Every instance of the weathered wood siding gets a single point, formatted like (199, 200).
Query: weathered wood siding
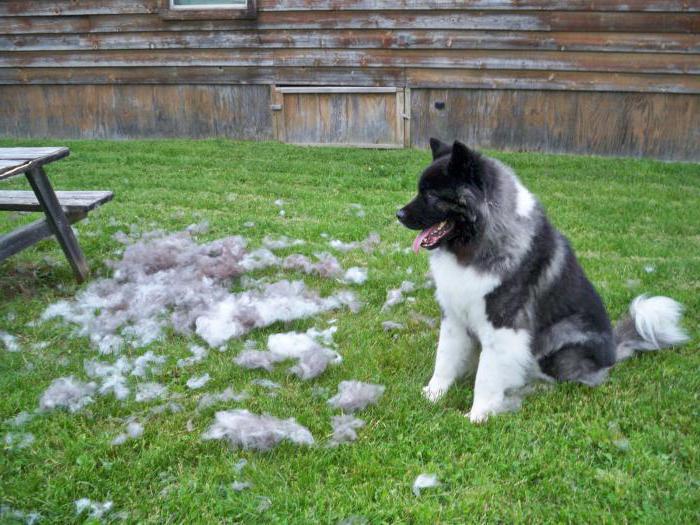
(636, 58)
(641, 124)
(135, 111)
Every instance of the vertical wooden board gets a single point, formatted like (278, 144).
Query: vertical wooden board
(317, 113)
(290, 110)
(303, 120)
(277, 100)
(317, 118)
(682, 138)
(324, 127)
(615, 124)
(406, 118)
(426, 121)
(373, 119)
(339, 118)
(398, 130)
(599, 126)
(293, 112)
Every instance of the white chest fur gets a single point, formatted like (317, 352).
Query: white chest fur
(505, 362)
(461, 291)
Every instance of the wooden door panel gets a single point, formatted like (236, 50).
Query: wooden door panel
(367, 117)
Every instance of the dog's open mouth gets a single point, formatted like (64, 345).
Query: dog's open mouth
(431, 237)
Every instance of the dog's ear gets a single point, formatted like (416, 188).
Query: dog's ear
(439, 148)
(466, 164)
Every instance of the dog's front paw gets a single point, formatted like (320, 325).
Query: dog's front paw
(483, 410)
(433, 392)
(478, 416)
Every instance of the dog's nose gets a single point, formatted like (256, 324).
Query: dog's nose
(401, 214)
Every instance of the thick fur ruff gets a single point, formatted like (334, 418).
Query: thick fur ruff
(516, 304)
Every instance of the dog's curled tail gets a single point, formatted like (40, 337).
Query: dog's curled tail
(652, 323)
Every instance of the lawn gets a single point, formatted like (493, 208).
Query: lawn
(628, 451)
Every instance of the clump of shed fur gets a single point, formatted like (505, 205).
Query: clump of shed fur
(246, 430)
(312, 358)
(344, 428)
(68, 393)
(353, 396)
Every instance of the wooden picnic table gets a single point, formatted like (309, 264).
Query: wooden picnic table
(61, 209)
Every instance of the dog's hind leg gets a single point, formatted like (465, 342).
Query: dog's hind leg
(506, 365)
(579, 363)
(456, 356)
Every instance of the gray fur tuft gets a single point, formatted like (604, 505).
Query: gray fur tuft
(652, 323)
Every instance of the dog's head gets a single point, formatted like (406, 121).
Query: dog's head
(449, 206)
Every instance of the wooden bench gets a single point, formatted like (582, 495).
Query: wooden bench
(61, 208)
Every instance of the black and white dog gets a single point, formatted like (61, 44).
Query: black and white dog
(508, 282)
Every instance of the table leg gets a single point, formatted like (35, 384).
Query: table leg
(58, 221)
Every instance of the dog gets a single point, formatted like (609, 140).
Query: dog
(516, 305)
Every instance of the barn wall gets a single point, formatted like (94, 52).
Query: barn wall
(638, 55)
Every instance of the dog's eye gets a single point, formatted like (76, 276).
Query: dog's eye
(431, 197)
(444, 199)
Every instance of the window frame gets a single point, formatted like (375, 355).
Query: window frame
(169, 11)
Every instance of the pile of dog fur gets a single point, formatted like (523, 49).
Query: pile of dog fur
(172, 273)
(169, 281)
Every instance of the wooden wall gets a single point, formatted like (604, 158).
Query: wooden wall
(616, 124)
(136, 111)
(638, 54)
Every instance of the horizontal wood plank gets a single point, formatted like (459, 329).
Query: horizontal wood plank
(23, 154)
(336, 90)
(20, 160)
(555, 80)
(446, 58)
(76, 7)
(537, 5)
(205, 75)
(71, 201)
(96, 7)
(359, 39)
(577, 21)
(401, 77)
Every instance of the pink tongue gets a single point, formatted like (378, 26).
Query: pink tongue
(419, 238)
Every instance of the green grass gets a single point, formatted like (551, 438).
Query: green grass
(554, 461)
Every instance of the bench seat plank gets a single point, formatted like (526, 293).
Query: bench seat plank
(70, 201)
